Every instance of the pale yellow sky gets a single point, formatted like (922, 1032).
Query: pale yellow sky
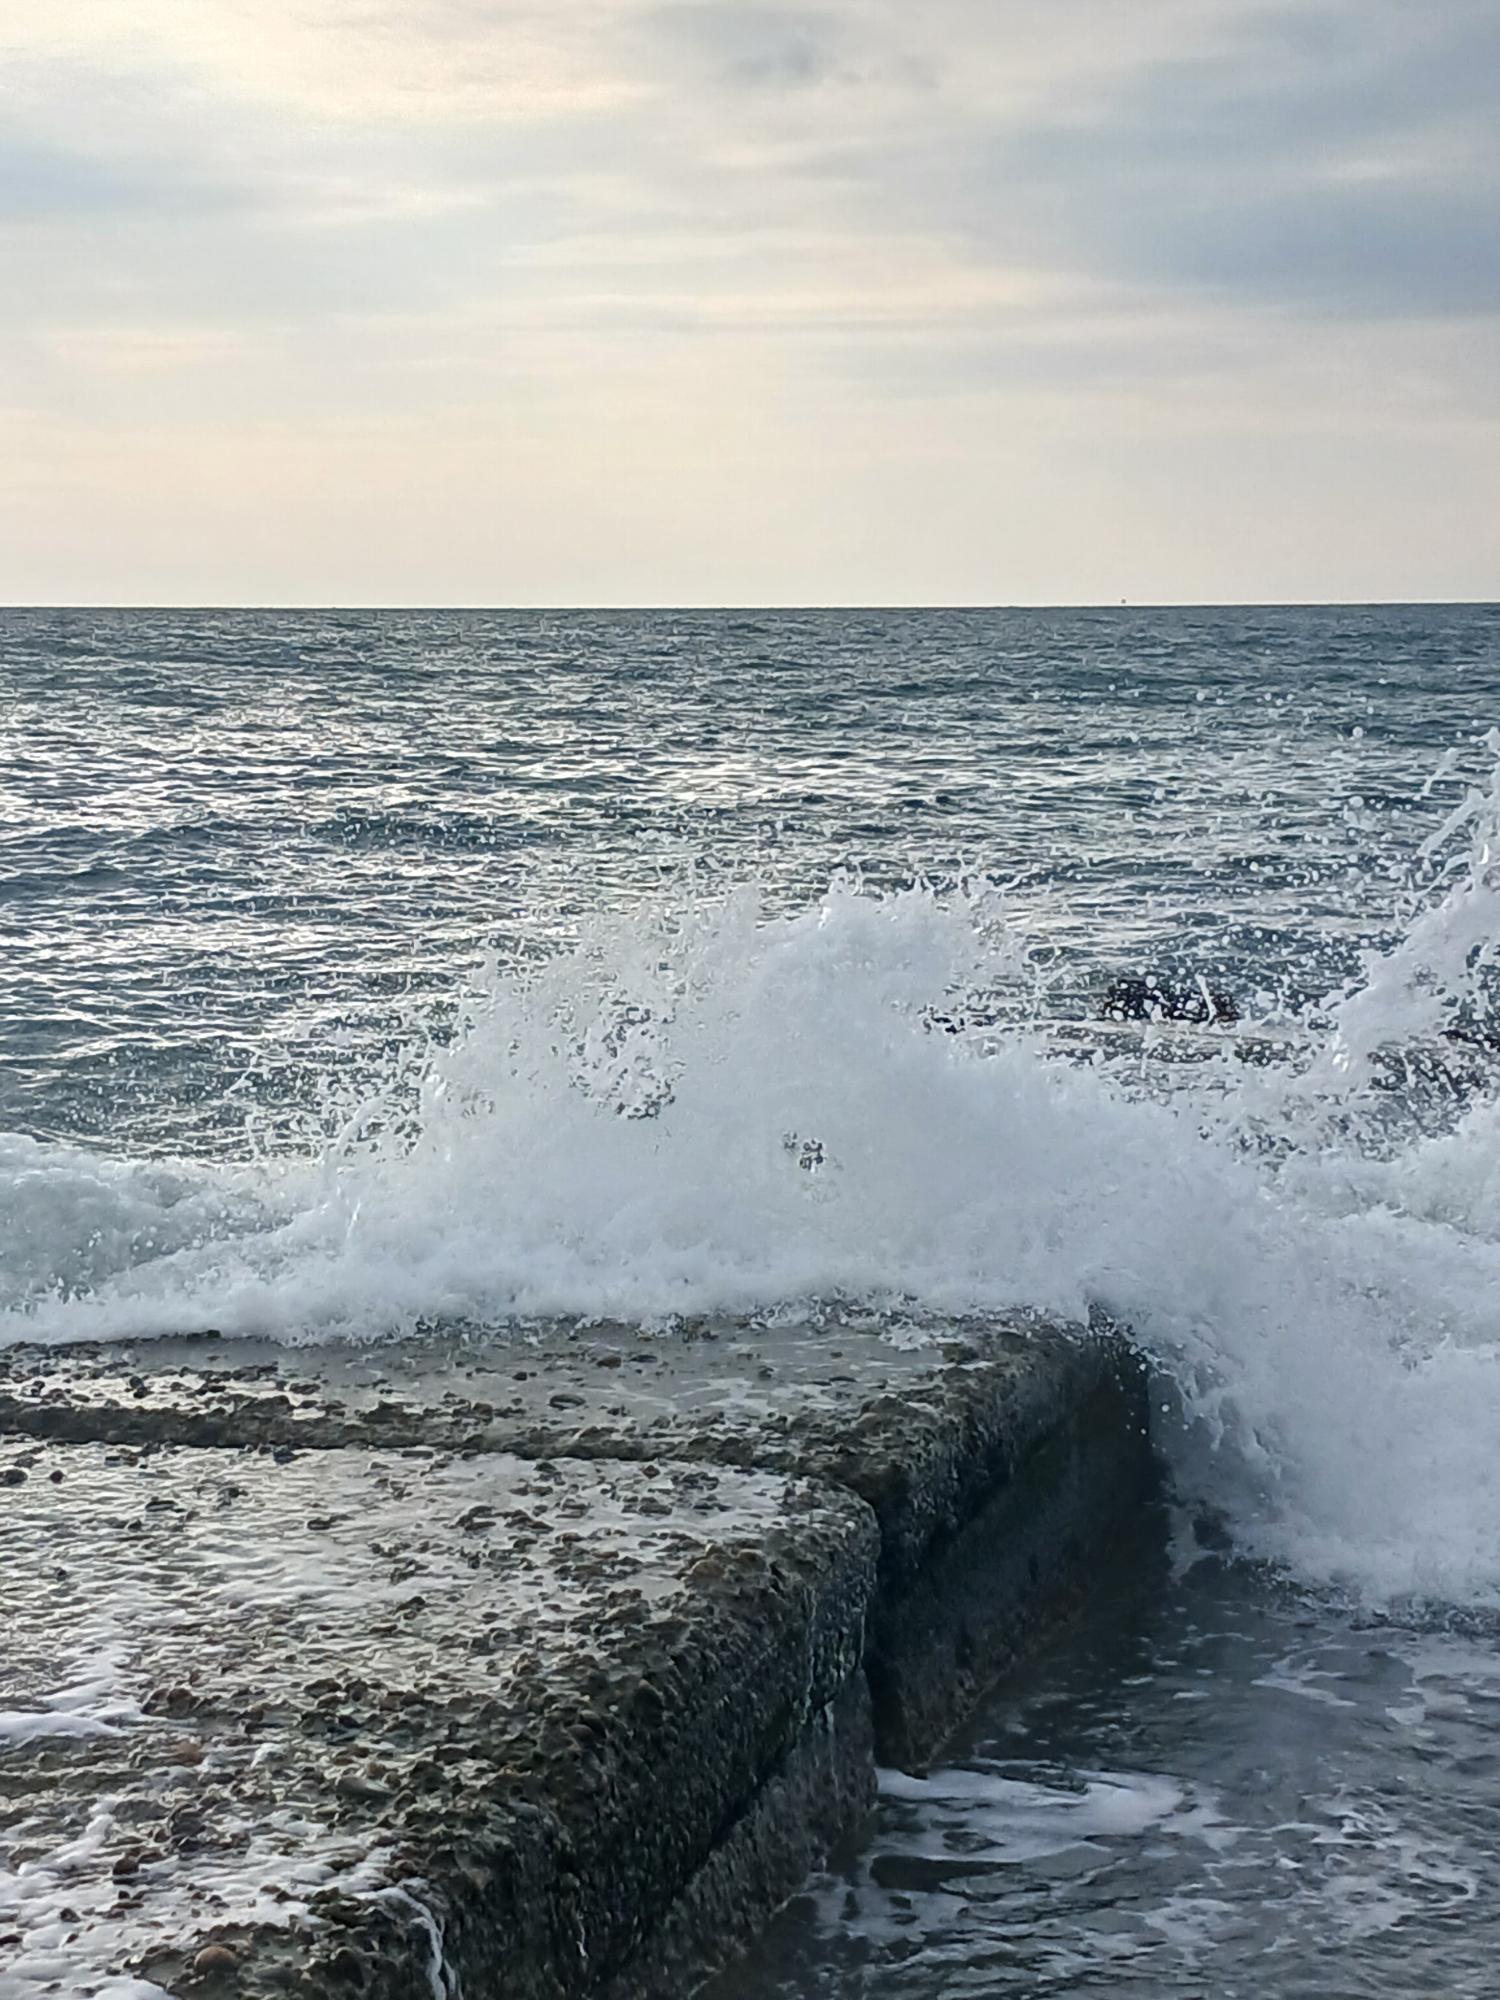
(461, 301)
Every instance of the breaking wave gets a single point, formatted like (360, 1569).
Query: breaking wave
(712, 1108)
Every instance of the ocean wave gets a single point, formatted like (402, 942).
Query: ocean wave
(715, 1107)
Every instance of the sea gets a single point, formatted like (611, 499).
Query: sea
(368, 972)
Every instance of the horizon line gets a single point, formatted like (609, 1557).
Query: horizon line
(728, 609)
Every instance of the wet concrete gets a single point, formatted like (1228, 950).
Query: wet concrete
(283, 1709)
(478, 1664)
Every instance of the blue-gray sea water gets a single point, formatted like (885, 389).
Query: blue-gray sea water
(241, 849)
(363, 971)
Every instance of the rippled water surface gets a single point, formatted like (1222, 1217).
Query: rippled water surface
(1214, 1789)
(234, 847)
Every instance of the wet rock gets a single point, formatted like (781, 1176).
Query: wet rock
(214, 1959)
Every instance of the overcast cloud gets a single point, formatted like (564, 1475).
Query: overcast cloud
(602, 301)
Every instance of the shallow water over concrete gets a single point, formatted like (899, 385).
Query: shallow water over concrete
(1213, 1788)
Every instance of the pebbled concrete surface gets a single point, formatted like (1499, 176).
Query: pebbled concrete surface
(696, 1583)
(404, 1723)
(710, 1388)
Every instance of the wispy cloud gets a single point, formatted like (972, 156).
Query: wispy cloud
(649, 263)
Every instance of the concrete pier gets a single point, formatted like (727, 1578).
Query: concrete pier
(544, 1665)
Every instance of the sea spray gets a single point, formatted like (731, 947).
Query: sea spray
(712, 1107)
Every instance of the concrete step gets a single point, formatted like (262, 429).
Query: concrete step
(474, 1664)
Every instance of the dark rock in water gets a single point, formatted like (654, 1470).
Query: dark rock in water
(1136, 997)
(1474, 1035)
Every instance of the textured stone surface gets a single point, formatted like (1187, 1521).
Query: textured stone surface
(995, 1454)
(555, 1659)
(359, 1721)
(712, 1390)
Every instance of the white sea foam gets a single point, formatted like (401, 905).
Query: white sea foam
(713, 1108)
(1006, 1819)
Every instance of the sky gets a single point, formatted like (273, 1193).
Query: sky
(875, 301)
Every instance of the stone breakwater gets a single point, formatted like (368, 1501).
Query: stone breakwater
(544, 1666)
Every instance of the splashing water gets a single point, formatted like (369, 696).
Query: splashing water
(719, 1109)
(239, 840)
